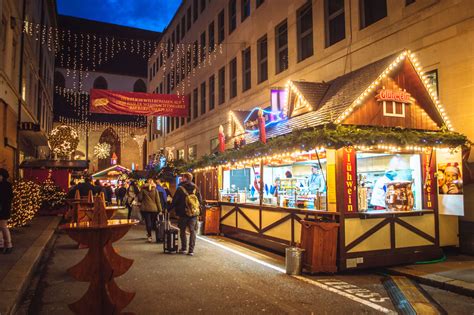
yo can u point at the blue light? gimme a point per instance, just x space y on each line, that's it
278 116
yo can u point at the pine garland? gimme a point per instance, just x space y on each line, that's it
335 136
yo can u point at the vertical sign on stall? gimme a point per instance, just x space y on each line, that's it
429 181
449 180
349 179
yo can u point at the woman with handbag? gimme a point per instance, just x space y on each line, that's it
131 200
150 206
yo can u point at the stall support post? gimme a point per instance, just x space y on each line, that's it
261 183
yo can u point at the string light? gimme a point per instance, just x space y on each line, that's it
26 202
102 150
63 141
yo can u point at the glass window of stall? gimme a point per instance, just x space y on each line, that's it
389 182
296 182
241 185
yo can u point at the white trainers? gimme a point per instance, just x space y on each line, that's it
190 253
150 239
182 251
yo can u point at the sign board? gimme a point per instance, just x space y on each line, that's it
349 178
135 103
270 117
449 182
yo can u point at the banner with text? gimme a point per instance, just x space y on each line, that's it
135 103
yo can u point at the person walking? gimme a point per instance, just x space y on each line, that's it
131 200
108 193
120 194
184 203
6 197
162 192
98 188
85 187
150 206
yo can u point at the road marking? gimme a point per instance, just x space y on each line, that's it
301 278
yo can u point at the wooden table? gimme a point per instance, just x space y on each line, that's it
100 266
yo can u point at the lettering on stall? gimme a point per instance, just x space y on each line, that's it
349 179
428 180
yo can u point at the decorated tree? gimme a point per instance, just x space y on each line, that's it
26 202
53 197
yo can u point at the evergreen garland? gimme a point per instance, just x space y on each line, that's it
336 137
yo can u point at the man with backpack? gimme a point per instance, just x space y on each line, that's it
187 204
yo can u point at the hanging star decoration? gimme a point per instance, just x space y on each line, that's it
63 141
102 150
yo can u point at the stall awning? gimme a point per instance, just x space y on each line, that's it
111 172
55 164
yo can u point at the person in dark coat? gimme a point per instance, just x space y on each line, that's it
184 221
6 198
120 194
72 190
85 187
108 193
98 188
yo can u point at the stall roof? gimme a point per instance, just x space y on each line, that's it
55 164
334 100
117 168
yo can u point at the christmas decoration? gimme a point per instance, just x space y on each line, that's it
63 141
261 127
102 150
221 139
26 202
53 197
332 136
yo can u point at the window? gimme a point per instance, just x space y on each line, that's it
188 61
173 41
181 154
161 58
168 48
305 32
168 82
59 79
221 27
192 152
233 78
161 88
183 68
203 47
168 124
139 86
246 74
211 36
260 2
178 32
335 21
214 145
100 83
222 85
203 98
262 55
393 109
408 2
172 80
281 34
177 122
212 88
172 123
183 26
371 11
203 5
188 15
432 77
195 103
245 9
188 119
232 15
151 73
195 10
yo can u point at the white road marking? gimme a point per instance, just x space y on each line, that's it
301 278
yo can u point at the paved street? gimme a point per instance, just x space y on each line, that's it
223 277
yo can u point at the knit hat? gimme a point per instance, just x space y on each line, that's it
453 168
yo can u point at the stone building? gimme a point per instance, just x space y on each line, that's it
90 61
230 54
22 55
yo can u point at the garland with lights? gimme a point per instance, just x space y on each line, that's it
63 141
26 202
337 136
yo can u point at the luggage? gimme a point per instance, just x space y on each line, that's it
161 227
170 243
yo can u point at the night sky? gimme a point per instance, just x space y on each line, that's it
151 15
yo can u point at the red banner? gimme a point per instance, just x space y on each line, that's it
429 180
135 103
349 179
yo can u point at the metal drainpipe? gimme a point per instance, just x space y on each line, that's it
20 85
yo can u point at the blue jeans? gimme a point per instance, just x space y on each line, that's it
191 223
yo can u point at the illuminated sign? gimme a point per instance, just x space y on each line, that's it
349 179
429 181
386 95
271 118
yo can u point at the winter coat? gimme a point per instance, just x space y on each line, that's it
179 198
6 197
84 189
150 199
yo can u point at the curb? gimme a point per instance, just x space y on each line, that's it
18 278
437 281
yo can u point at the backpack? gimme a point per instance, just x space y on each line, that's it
193 208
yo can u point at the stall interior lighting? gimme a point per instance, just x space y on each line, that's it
371 88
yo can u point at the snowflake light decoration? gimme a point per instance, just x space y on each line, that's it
102 150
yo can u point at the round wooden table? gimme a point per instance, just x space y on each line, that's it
100 266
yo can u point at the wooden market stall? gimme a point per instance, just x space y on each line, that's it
358 155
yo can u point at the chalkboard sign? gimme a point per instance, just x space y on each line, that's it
240 178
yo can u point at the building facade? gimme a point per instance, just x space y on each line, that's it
22 56
234 52
88 62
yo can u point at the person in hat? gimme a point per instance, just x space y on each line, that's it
380 189
316 182
6 198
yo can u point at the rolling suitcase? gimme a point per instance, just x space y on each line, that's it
160 228
170 237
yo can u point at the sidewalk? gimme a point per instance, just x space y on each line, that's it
456 274
18 267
